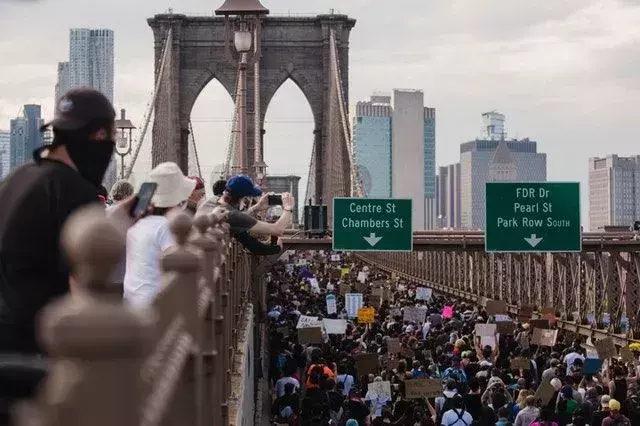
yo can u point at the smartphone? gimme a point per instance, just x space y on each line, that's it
275 200
143 198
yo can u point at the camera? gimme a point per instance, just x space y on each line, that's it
275 199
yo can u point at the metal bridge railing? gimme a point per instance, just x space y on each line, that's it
173 363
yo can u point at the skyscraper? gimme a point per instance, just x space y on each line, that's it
90 64
372 145
448 197
614 191
5 153
495 160
91 60
62 86
25 135
394 149
430 209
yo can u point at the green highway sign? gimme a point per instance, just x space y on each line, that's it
369 224
533 217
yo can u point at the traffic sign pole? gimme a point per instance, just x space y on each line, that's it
370 224
533 217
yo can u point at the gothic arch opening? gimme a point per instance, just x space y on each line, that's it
288 141
211 120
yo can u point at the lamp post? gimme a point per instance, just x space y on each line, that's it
124 138
243 17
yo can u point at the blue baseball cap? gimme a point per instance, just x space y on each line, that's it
242 186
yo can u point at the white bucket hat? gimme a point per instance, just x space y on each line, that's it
173 186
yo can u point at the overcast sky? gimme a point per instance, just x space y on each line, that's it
564 72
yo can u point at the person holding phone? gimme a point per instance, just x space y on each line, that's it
236 194
168 189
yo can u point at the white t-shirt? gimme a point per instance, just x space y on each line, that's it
146 240
456 418
570 358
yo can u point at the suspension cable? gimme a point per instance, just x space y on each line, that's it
195 149
151 106
357 189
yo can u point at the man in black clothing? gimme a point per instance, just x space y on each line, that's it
36 200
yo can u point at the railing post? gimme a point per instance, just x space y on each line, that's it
206 311
97 343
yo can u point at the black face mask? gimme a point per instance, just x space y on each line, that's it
91 157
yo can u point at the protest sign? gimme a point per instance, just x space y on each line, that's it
626 354
415 314
447 312
543 337
520 364
308 322
422 388
345 271
423 293
367 363
505 327
335 326
366 315
545 392
606 348
485 329
501 318
591 366
362 277
335 258
489 341
310 335
353 302
496 307
380 388
332 306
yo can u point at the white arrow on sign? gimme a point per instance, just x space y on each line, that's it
372 239
533 240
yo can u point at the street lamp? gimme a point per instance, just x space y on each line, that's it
243 17
124 138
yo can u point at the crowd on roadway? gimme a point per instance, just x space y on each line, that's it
37 199
352 345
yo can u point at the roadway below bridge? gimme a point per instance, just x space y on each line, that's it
469 241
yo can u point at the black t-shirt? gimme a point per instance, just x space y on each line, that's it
35 202
238 221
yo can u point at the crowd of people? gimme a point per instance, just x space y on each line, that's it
333 363
37 199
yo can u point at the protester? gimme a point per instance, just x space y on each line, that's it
473 373
151 236
37 198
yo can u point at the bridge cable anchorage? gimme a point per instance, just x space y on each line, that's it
195 149
166 53
231 154
356 182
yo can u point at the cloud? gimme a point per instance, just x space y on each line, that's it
565 73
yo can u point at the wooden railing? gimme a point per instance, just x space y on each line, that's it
171 364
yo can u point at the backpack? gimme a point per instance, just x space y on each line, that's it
446 406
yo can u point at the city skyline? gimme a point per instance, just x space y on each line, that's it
563 74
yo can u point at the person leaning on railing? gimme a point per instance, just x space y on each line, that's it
238 191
